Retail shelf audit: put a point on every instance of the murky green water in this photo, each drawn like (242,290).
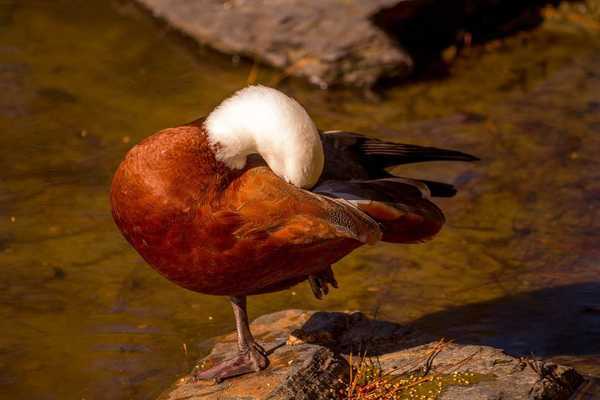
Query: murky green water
(81,316)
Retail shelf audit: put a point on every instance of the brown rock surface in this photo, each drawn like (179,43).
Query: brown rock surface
(328,42)
(309,360)
(302,371)
(333,42)
(490,373)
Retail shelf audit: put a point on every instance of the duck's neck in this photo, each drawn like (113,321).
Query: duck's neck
(262,120)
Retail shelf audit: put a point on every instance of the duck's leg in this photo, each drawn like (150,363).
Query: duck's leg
(251,356)
(319,282)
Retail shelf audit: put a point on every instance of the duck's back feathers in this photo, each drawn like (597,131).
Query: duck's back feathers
(401,206)
(355,171)
(351,155)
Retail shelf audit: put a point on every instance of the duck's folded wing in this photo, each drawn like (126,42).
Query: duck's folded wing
(401,206)
(271,209)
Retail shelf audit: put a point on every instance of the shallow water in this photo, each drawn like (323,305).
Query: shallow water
(81,315)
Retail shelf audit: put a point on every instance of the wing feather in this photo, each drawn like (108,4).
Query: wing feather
(272,209)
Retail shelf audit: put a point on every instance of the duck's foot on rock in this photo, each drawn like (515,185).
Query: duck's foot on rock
(317,367)
(252,360)
(320,282)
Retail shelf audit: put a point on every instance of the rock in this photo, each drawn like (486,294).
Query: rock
(310,353)
(303,371)
(328,42)
(497,375)
(334,42)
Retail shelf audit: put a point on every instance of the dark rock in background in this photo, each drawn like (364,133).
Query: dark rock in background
(328,42)
(310,353)
(336,42)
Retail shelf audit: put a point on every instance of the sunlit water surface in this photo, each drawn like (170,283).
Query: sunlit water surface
(82,316)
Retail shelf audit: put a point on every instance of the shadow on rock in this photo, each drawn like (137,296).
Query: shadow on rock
(357,334)
(546,322)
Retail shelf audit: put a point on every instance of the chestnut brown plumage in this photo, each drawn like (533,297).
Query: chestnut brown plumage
(238,232)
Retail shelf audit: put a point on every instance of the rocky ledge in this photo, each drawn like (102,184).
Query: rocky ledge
(312,353)
(333,42)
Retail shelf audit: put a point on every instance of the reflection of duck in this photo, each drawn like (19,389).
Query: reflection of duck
(222,205)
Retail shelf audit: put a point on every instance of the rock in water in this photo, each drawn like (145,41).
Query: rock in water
(328,42)
(309,360)
(336,42)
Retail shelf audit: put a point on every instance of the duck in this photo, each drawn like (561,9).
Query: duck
(254,199)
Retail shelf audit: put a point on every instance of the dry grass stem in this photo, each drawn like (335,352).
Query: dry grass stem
(414,380)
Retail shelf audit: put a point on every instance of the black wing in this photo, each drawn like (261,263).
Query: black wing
(350,155)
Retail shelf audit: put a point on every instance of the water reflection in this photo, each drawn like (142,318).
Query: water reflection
(81,314)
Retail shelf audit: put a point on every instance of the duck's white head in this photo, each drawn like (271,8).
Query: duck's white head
(263,120)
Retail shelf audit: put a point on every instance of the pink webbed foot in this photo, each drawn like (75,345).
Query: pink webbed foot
(252,360)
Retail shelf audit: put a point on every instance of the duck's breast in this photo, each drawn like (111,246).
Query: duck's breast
(160,190)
